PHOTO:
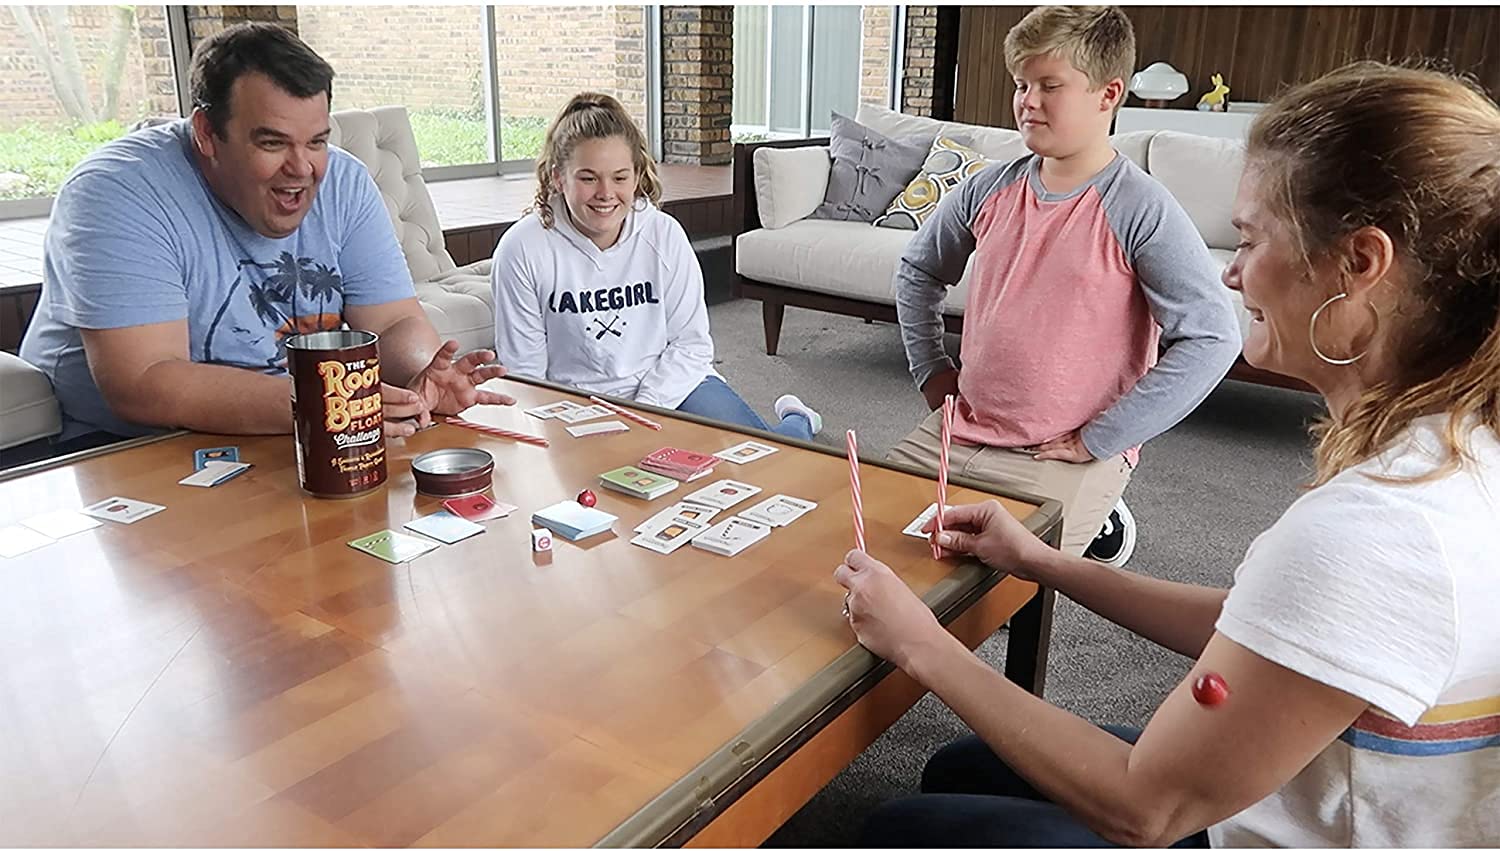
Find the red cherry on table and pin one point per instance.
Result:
(1210, 690)
(587, 498)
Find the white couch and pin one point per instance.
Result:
(457, 300)
(784, 258)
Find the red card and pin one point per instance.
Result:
(670, 457)
(478, 507)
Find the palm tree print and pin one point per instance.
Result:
(275, 299)
(322, 284)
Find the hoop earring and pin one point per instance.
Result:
(1312, 332)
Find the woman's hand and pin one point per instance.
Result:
(887, 618)
(993, 535)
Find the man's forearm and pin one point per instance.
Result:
(1176, 615)
(209, 398)
(406, 348)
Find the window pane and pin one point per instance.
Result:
(876, 54)
(750, 65)
(547, 54)
(429, 59)
(75, 77)
(787, 51)
(835, 63)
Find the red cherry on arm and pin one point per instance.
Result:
(587, 498)
(1210, 690)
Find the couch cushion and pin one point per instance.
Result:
(948, 164)
(461, 305)
(1202, 173)
(849, 259)
(789, 183)
(913, 129)
(1134, 144)
(995, 143)
(868, 169)
(28, 410)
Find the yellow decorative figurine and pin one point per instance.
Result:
(1214, 100)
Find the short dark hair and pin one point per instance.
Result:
(259, 47)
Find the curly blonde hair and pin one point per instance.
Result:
(591, 115)
(1416, 153)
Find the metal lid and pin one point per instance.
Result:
(453, 472)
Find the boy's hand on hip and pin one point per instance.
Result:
(940, 386)
(1068, 448)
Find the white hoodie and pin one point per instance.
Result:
(628, 321)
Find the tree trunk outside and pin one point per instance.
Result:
(114, 60)
(72, 67)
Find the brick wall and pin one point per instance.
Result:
(875, 55)
(204, 21)
(27, 96)
(697, 83)
(921, 42)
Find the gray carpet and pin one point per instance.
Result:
(1203, 492)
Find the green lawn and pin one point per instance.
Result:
(44, 156)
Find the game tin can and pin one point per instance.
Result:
(337, 412)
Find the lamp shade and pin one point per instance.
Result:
(1158, 81)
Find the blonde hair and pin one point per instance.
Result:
(1415, 153)
(591, 115)
(1097, 40)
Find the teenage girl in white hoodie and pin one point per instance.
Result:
(600, 290)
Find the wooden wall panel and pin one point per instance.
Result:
(1259, 50)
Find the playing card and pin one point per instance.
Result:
(547, 412)
(15, 540)
(597, 428)
(914, 528)
(744, 453)
(218, 453)
(730, 537)
(578, 415)
(670, 537)
(685, 510)
(779, 510)
(723, 493)
(214, 473)
(60, 524)
(445, 526)
(119, 509)
(478, 507)
(392, 546)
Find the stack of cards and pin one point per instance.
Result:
(744, 453)
(477, 507)
(121, 510)
(723, 493)
(392, 546)
(573, 521)
(730, 537)
(668, 536)
(637, 482)
(779, 510)
(680, 464)
(214, 473)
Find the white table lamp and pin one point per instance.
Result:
(1158, 83)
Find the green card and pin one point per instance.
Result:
(637, 481)
(392, 546)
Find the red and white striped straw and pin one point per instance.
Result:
(499, 432)
(626, 413)
(942, 488)
(858, 503)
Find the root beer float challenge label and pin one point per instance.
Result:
(337, 409)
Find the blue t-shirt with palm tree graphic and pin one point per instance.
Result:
(137, 237)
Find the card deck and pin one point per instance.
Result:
(392, 546)
(731, 537)
(60, 524)
(680, 464)
(597, 428)
(445, 526)
(478, 507)
(214, 473)
(16, 540)
(637, 482)
(686, 510)
(723, 493)
(218, 453)
(119, 509)
(744, 453)
(914, 528)
(547, 412)
(670, 537)
(578, 415)
(779, 510)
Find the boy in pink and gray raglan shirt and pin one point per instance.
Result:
(1071, 297)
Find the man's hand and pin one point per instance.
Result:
(448, 386)
(1068, 448)
(993, 535)
(887, 618)
(940, 386)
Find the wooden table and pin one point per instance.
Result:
(229, 672)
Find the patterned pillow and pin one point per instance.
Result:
(948, 164)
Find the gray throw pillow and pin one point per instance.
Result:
(868, 171)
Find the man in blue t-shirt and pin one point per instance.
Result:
(180, 258)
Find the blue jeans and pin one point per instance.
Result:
(971, 799)
(716, 400)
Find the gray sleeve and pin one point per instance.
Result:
(1199, 333)
(935, 260)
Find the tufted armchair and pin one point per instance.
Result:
(457, 300)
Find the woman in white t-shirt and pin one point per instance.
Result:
(1346, 689)
(598, 289)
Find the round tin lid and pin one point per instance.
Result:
(452, 472)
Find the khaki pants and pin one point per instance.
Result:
(1087, 491)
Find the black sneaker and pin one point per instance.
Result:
(1116, 541)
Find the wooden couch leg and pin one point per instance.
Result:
(771, 312)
